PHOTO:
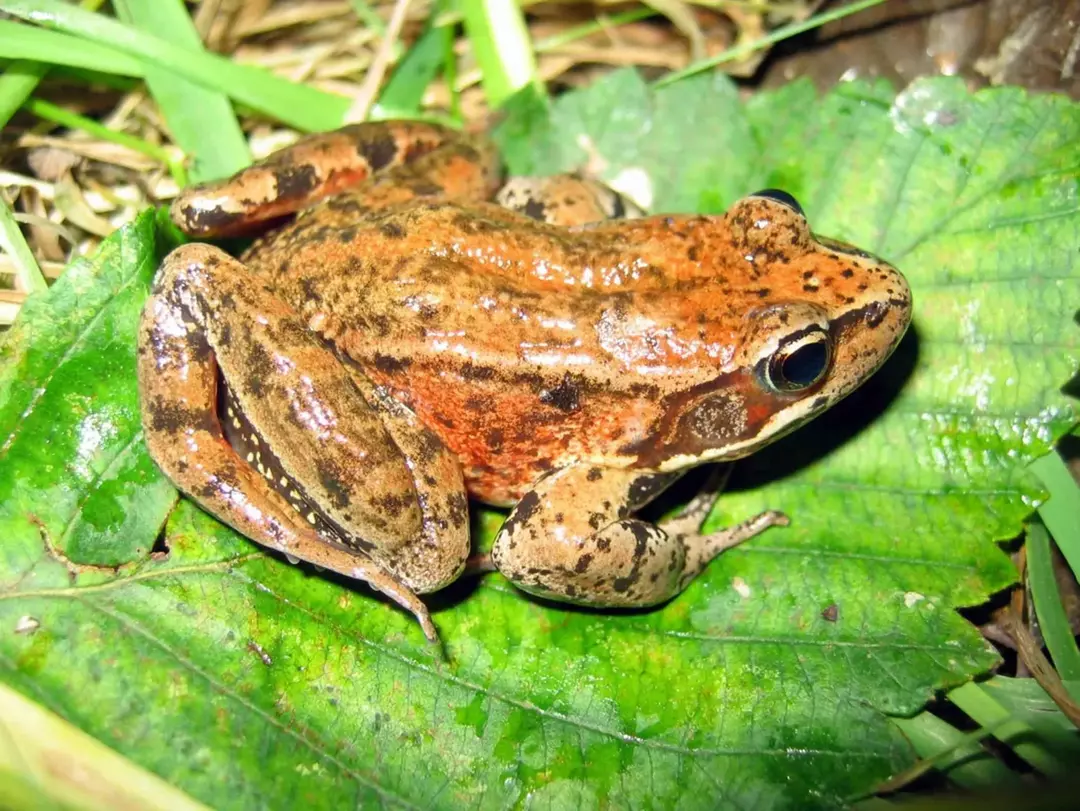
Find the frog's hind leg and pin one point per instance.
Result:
(566, 200)
(571, 539)
(385, 163)
(315, 440)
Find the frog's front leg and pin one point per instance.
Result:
(322, 474)
(572, 539)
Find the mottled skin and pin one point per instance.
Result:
(337, 392)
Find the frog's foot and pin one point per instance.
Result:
(411, 159)
(291, 454)
(570, 539)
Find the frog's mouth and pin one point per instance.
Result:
(739, 412)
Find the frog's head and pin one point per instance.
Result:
(818, 318)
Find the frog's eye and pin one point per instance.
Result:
(781, 197)
(801, 361)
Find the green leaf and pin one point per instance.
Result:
(75, 478)
(248, 682)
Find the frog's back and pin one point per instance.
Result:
(521, 344)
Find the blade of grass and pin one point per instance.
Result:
(985, 710)
(1061, 512)
(954, 752)
(302, 107)
(16, 85)
(45, 762)
(368, 16)
(780, 34)
(501, 46)
(22, 41)
(22, 76)
(404, 92)
(603, 23)
(14, 244)
(1053, 620)
(66, 118)
(215, 151)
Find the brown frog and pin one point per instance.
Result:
(403, 343)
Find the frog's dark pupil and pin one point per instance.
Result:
(804, 366)
(782, 197)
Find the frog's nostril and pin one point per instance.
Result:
(782, 197)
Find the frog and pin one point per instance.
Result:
(409, 331)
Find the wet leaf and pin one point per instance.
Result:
(248, 682)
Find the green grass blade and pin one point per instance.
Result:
(404, 92)
(1061, 513)
(780, 34)
(302, 107)
(1051, 613)
(16, 85)
(985, 710)
(66, 118)
(21, 77)
(501, 46)
(593, 26)
(216, 151)
(46, 762)
(14, 245)
(21, 41)
(954, 752)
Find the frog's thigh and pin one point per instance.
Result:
(566, 200)
(207, 312)
(570, 539)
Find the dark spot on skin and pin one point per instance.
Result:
(522, 513)
(470, 371)
(534, 209)
(847, 274)
(597, 520)
(391, 230)
(260, 369)
(763, 292)
(594, 474)
(311, 292)
(565, 396)
(387, 364)
(330, 479)
(603, 544)
(379, 151)
(171, 417)
(495, 439)
(425, 188)
(810, 288)
(558, 518)
(693, 254)
(645, 488)
(583, 563)
(809, 274)
(347, 235)
(296, 181)
(477, 403)
(654, 577)
(820, 402)
(571, 591)
(875, 314)
(458, 505)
